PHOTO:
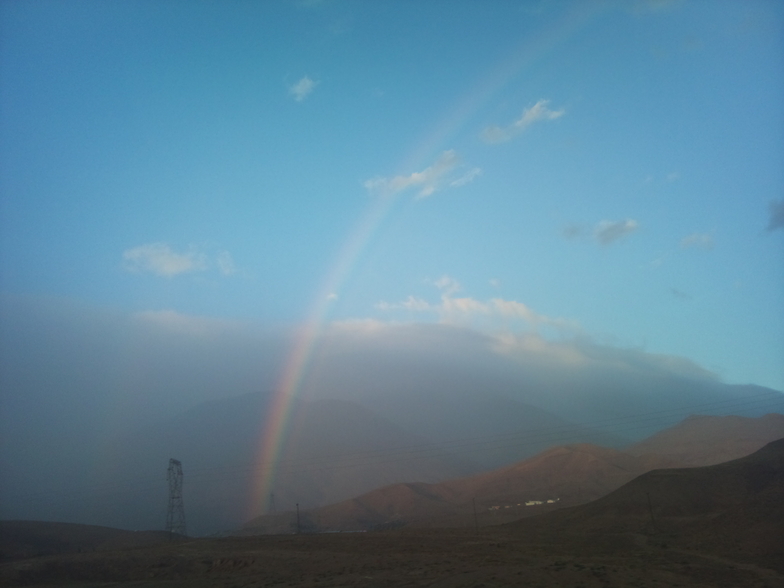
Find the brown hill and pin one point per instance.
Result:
(735, 508)
(702, 440)
(559, 477)
(23, 539)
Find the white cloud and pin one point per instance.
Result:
(513, 308)
(411, 303)
(302, 88)
(537, 112)
(417, 304)
(535, 354)
(607, 232)
(673, 176)
(466, 178)
(159, 259)
(697, 240)
(447, 284)
(429, 180)
(462, 306)
(452, 310)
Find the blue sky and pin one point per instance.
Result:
(610, 170)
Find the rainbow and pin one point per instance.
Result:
(279, 414)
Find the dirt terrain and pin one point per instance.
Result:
(714, 526)
(496, 556)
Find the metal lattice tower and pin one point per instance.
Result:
(175, 515)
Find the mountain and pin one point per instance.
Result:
(735, 509)
(490, 428)
(336, 447)
(559, 477)
(24, 539)
(706, 440)
(565, 475)
(447, 379)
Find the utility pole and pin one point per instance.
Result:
(650, 510)
(175, 514)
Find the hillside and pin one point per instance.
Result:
(24, 539)
(559, 477)
(565, 475)
(734, 508)
(706, 440)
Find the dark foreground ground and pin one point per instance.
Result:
(499, 556)
(715, 526)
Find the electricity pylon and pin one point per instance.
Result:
(175, 515)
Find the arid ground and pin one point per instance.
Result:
(495, 556)
(720, 525)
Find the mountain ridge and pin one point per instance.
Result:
(559, 477)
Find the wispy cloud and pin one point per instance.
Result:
(159, 259)
(429, 180)
(698, 241)
(451, 309)
(447, 284)
(537, 112)
(466, 178)
(226, 264)
(302, 89)
(604, 232)
(776, 209)
(607, 232)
